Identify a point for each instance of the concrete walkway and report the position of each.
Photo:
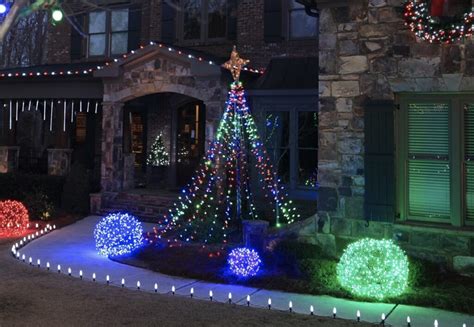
(73, 247)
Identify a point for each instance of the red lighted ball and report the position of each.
(13, 218)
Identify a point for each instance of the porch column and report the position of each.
(111, 175)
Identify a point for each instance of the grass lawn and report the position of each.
(301, 268)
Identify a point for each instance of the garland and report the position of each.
(435, 30)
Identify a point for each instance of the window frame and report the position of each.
(204, 35)
(286, 23)
(456, 101)
(108, 32)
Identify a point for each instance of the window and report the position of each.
(290, 134)
(300, 24)
(435, 152)
(203, 20)
(108, 32)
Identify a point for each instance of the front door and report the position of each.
(189, 141)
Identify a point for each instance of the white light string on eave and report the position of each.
(49, 109)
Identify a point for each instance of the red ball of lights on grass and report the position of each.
(244, 262)
(14, 218)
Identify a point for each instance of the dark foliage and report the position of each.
(77, 188)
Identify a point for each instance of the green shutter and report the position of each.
(469, 157)
(428, 160)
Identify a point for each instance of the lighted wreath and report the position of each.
(436, 29)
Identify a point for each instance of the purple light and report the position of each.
(244, 262)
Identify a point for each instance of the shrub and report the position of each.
(76, 190)
(373, 268)
(118, 234)
(39, 205)
(13, 218)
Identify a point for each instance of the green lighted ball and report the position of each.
(373, 268)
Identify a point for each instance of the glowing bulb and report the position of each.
(311, 309)
(3, 9)
(93, 277)
(59, 268)
(248, 300)
(191, 292)
(156, 287)
(47, 265)
(138, 284)
(123, 282)
(269, 303)
(57, 15)
(230, 297)
(210, 294)
(30, 260)
(38, 262)
(80, 274)
(334, 312)
(107, 279)
(290, 306)
(173, 289)
(69, 271)
(436, 323)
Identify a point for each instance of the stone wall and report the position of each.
(367, 53)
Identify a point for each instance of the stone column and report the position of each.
(128, 171)
(112, 147)
(59, 161)
(9, 158)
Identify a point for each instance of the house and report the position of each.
(117, 74)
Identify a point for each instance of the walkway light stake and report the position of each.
(59, 269)
(23, 258)
(210, 295)
(173, 289)
(30, 261)
(436, 323)
(334, 312)
(47, 265)
(38, 262)
(156, 288)
(93, 277)
(383, 319)
(191, 292)
(290, 306)
(69, 271)
(123, 282)
(18, 255)
(230, 297)
(358, 315)
(107, 279)
(80, 274)
(311, 310)
(408, 321)
(269, 303)
(248, 300)
(138, 285)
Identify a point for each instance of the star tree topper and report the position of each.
(235, 64)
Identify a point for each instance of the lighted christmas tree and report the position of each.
(235, 169)
(158, 156)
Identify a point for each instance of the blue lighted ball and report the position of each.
(244, 262)
(3, 9)
(118, 234)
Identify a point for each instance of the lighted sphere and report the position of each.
(13, 218)
(373, 268)
(244, 262)
(118, 234)
(3, 8)
(57, 15)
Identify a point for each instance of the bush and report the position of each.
(76, 190)
(39, 205)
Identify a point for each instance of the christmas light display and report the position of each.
(221, 193)
(14, 218)
(373, 268)
(244, 262)
(436, 29)
(158, 156)
(118, 234)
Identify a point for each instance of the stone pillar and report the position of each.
(254, 234)
(128, 171)
(112, 147)
(9, 158)
(59, 161)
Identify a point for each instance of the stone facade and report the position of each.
(59, 161)
(9, 159)
(367, 53)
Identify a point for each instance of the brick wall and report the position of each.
(250, 35)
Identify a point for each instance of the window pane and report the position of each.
(308, 129)
(308, 168)
(428, 129)
(470, 191)
(119, 43)
(119, 20)
(97, 22)
(469, 163)
(277, 129)
(217, 18)
(281, 160)
(429, 188)
(97, 45)
(301, 24)
(192, 19)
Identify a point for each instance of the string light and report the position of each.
(373, 268)
(14, 218)
(118, 234)
(244, 262)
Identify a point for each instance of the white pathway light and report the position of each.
(290, 306)
(358, 315)
(408, 321)
(334, 312)
(123, 282)
(210, 295)
(156, 288)
(269, 303)
(173, 289)
(191, 292)
(248, 300)
(311, 310)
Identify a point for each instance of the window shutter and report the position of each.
(428, 160)
(469, 157)
(273, 21)
(231, 19)
(379, 161)
(168, 21)
(134, 27)
(77, 40)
